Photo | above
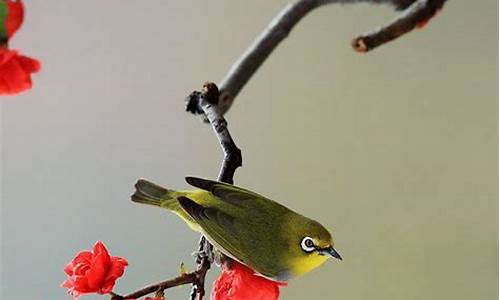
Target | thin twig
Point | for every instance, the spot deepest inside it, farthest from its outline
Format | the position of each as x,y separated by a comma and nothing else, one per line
206,103
415,16
203,263
180,280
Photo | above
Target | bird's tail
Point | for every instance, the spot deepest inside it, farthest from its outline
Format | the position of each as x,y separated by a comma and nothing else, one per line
149,193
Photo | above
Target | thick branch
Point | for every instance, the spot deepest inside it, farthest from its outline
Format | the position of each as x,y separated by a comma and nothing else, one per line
279,28
248,63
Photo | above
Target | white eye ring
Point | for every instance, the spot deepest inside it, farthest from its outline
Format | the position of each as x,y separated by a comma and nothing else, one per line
307,244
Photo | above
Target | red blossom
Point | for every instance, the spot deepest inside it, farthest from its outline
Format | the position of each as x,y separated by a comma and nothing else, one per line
93,271
15,16
239,282
15,71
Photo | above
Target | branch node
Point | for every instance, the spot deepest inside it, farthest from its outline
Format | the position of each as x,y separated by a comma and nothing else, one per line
193,103
359,45
211,92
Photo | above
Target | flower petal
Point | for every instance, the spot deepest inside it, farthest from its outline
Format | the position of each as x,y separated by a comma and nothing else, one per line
29,64
100,248
68,283
15,71
116,271
241,283
83,257
68,268
81,284
98,271
15,17
93,271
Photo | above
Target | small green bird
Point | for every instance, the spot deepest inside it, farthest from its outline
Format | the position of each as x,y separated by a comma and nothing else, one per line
258,232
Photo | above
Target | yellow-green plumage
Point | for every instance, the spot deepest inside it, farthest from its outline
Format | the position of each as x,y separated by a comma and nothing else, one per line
246,226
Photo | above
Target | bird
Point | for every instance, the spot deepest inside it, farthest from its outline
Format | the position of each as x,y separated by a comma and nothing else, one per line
271,239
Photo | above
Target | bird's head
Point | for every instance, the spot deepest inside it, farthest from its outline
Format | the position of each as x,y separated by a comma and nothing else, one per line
310,245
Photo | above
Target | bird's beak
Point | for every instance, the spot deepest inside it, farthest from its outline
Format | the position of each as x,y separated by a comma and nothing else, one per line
331,251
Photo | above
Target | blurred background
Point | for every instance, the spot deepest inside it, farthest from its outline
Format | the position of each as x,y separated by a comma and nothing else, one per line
395,150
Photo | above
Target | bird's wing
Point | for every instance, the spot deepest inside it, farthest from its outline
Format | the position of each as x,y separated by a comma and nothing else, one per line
218,225
237,196
238,236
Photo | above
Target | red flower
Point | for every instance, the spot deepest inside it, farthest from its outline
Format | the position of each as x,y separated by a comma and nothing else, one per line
239,282
93,271
15,16
15,71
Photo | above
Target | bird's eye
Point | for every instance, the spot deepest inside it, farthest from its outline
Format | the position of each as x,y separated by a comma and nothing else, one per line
307,244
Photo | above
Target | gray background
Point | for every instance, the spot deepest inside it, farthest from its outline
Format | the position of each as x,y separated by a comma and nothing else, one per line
395,150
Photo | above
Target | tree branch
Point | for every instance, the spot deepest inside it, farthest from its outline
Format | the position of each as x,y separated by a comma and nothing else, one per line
416,16
160,286
196,278
204,260
206,103
279,28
